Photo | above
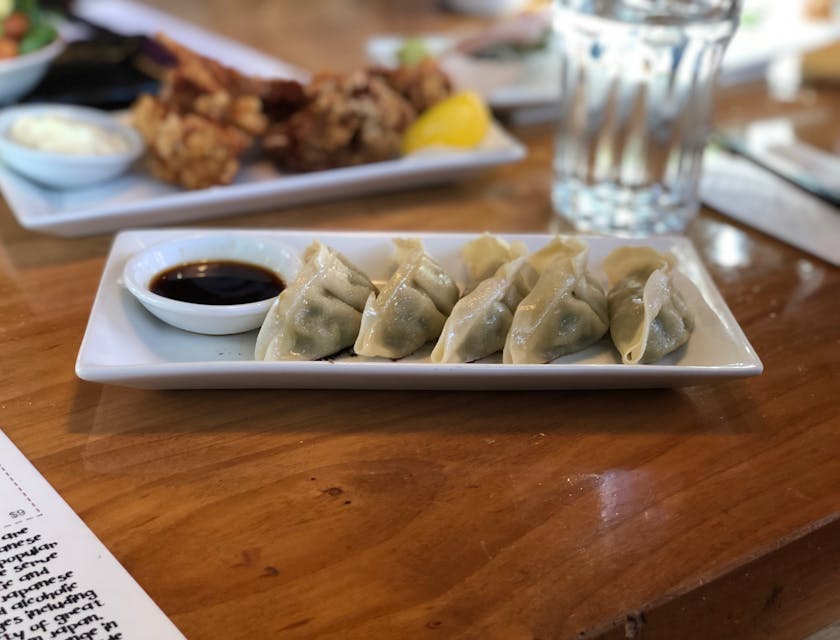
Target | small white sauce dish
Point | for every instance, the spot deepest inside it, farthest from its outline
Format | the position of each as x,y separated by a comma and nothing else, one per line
144,266
20,74
66,170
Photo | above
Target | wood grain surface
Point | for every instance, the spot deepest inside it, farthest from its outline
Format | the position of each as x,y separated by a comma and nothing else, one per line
373,514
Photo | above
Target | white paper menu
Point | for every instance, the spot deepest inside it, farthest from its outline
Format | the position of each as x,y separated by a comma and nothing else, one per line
57,580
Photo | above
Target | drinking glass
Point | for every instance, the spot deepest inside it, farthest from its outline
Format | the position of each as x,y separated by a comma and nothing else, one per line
637,81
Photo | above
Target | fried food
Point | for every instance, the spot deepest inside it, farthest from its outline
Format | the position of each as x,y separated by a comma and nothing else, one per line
207,115
200,85
355,119
422,84
348,120
204,118
187,149
281,98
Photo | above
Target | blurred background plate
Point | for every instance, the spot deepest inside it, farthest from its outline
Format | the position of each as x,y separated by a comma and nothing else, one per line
139,199
529,80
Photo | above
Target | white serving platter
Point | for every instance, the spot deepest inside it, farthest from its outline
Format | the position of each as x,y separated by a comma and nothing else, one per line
138,199
530,80
125,345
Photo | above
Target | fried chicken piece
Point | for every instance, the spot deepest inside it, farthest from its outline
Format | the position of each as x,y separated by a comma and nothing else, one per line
422,84
202,85
281,98
197,84
188,149
180,91
355,119
205,116
348,120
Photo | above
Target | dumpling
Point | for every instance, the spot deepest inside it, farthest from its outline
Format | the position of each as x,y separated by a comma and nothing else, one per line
485,254
566,311
558,246
319,313
411,308
479,322
648,316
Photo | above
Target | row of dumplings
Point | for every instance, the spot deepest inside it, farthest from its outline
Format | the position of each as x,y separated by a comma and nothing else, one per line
532,307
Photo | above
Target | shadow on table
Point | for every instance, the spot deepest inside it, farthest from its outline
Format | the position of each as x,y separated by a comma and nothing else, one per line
724,408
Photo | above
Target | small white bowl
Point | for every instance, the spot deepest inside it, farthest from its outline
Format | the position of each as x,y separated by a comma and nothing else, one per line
142,268
64,170
20,74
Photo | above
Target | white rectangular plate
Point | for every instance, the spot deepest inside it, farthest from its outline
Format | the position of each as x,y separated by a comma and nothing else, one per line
125,345
138,199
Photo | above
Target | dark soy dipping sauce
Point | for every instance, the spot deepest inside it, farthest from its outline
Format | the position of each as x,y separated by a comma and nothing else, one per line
217,282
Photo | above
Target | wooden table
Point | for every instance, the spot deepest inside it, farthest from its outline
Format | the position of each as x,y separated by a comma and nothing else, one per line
702,512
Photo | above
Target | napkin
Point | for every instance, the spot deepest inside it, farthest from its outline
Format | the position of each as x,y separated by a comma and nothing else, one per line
757,197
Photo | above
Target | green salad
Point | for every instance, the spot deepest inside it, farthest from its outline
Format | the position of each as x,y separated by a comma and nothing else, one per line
24,28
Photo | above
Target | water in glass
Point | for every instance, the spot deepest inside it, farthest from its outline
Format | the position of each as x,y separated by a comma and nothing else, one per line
637,84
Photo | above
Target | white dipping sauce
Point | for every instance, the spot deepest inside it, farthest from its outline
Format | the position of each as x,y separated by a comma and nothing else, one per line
63,135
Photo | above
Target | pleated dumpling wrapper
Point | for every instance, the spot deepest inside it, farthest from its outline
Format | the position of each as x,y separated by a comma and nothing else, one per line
484,255
479,322
319,313
565,312
478,325
648,316
411,308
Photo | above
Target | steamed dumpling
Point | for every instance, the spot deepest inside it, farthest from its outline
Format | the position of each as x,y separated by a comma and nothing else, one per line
566,311
485,254
648,316
479,323
411,308
319,313
558,247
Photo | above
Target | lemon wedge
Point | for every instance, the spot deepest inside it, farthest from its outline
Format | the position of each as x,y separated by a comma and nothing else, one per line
461,120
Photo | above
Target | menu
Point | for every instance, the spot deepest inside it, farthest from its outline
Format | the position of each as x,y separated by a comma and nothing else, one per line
57,580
